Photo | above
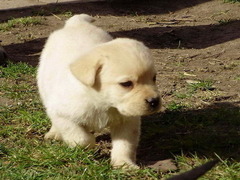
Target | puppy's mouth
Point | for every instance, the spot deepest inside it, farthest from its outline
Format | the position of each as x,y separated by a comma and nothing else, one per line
141,112
146,107
153,111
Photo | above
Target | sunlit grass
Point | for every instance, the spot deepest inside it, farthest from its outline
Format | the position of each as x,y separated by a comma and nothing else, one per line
24,21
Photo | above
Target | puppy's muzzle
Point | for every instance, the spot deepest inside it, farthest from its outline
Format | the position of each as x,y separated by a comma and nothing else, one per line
153,103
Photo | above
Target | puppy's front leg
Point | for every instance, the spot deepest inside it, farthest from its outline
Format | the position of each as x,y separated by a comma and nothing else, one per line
125,138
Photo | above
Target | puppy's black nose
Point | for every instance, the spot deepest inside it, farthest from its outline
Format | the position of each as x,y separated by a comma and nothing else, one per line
153,102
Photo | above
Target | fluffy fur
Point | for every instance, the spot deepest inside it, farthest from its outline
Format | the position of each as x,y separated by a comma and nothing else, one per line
88,81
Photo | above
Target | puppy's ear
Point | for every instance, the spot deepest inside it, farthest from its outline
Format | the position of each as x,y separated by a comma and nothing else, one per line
86,68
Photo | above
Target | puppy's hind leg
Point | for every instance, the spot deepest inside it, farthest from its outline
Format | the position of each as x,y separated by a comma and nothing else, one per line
74,134
125,137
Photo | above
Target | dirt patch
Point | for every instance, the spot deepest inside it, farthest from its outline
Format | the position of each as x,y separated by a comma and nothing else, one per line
190,40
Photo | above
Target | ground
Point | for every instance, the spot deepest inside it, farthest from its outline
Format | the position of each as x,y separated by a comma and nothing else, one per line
189,40
196,48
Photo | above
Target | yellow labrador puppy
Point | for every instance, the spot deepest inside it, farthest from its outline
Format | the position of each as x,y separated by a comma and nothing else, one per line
88,81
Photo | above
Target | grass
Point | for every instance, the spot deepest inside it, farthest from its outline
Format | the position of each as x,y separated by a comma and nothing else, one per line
224,21
24,21
231,1
194,90
190,137
68,14
14,71
53,11
174,106
201,85
238,78
24,154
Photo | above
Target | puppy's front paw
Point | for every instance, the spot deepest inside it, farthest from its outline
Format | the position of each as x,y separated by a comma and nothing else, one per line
124,165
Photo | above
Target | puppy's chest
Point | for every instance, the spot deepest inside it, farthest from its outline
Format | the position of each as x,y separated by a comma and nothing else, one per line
98,119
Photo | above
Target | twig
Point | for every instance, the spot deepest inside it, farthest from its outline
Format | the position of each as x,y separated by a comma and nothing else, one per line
56,16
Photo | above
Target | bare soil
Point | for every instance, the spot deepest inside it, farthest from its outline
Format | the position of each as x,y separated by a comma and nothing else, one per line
190,40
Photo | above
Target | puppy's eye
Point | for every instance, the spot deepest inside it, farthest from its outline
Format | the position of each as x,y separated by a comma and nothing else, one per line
127,84
154,78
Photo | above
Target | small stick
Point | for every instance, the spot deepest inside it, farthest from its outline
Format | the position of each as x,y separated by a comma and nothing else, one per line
195,173
56,16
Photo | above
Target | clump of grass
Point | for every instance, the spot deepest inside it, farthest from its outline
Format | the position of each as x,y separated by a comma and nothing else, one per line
18,81
224,21
238,78
68,14
24,21
174,106
231,1
40,12
231,66
3,150
223,169
201,85
182,95
16,70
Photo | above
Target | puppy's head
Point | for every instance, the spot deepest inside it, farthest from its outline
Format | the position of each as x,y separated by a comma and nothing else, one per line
122,71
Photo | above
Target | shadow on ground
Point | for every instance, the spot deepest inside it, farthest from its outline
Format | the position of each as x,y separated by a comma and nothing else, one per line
109,7
214,129
27,52
196,37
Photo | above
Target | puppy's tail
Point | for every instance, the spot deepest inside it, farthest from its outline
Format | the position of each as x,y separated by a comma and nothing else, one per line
79,18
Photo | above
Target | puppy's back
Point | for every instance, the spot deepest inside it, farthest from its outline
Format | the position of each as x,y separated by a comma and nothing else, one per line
78,19
63,47
76,37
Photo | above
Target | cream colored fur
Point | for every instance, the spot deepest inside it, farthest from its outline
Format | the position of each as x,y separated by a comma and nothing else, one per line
80,79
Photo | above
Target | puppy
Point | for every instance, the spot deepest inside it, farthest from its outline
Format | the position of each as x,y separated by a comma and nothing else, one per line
88,81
